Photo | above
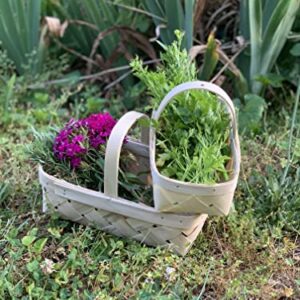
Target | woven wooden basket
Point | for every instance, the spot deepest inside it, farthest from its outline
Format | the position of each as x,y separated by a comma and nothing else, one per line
113,214
172,195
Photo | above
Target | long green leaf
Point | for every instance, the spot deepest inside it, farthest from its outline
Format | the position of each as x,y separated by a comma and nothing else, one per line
244,19
155,7
275,37
101,13
19,33
270,22
189,22
279,35
255,20
268,9
174,16
211,58
33,13
274,23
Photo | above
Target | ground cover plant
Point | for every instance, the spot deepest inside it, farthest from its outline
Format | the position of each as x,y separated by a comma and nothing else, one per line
254,253
48,258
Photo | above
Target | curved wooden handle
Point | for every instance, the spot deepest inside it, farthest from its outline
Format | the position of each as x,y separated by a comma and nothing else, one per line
113,150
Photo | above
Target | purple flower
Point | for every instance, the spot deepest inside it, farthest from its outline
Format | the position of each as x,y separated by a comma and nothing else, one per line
78,137
75,162
99,128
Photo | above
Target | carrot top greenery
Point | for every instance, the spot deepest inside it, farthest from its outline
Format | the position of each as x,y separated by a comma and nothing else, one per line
193,131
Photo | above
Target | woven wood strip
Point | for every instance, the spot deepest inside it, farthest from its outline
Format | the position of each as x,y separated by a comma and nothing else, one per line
175,239
176,201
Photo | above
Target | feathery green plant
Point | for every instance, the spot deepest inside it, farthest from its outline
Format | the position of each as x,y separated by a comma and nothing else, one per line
193,131
20,34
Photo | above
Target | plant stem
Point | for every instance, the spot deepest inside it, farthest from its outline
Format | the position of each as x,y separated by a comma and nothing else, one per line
291,134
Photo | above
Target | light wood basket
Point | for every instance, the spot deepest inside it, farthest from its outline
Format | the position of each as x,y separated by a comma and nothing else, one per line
172,195
113,214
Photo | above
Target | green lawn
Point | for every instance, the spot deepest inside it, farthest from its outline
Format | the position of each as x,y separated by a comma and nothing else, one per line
254,253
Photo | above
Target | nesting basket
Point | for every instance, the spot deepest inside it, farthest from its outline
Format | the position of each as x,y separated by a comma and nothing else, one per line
181,208
172,195
116,215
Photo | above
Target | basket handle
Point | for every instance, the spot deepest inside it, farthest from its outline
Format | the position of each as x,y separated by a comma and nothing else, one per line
113,150
199,85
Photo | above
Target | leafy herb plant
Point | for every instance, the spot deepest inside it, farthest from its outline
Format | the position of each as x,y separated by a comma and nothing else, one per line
193,131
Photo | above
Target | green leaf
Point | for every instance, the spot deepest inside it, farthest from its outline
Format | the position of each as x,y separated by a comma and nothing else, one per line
117,282
101,277
54,232
94,105
33,266
144,122
275,80
30,288
4,191
20,34
39,245
270,22
251,113
162,158
295,51
211,58
174,16
28,240
255,18
189,22
277,31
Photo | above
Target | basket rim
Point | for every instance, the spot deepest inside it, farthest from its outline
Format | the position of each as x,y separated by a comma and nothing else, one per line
149,214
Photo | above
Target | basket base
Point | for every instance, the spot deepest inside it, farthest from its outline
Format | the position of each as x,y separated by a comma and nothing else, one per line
69,206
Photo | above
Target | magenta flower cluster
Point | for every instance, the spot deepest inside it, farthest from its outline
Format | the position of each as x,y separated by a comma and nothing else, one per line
78,137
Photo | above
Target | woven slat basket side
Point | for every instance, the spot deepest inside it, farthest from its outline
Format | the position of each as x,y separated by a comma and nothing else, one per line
176,239
177,201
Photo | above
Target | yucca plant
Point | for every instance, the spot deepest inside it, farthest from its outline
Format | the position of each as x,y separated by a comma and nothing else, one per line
89,18
103,33
170,15
86,14
20,34
266,23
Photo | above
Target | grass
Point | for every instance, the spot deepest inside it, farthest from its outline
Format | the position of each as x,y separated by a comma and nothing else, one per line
251,254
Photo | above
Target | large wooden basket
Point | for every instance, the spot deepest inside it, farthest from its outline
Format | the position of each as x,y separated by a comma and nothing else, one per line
113,214
172,195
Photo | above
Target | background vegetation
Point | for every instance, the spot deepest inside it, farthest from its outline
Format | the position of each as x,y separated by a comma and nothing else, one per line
63,59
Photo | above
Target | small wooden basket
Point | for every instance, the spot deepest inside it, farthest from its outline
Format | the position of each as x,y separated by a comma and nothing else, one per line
172,195
113,214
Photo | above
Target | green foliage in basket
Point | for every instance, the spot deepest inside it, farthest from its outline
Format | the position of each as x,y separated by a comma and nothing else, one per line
89,173
193,131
